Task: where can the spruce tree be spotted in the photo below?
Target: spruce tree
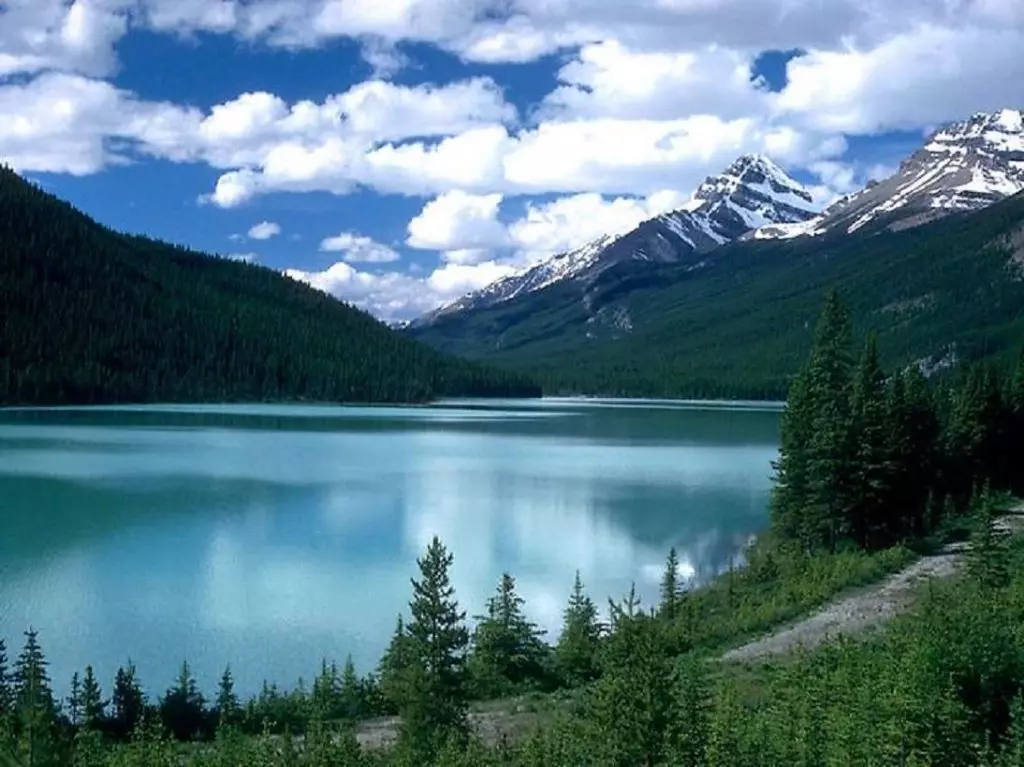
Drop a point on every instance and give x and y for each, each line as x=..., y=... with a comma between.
x=74, y=701
x=228, y=710
x=182, y=708
x=435, y=700
x=869, y=492
x=393, y=669
x=812, y=482
x=93, y=705
x=36, y=709
x=670, y=587
x=127, y=701
x=351, y=698
x=507, y=650
x=577, y=648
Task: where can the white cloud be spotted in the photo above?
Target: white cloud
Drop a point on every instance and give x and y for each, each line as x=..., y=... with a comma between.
x=571, y=222
x=76, y=36
x=398, y=295
x=264, y=230
x=458, y=221
x=245, y=258
x=66, y=123
x=926, y=76
x=607, y=79
x=359, y=249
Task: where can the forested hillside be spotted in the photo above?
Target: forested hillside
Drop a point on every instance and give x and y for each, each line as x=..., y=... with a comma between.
x=738, y=322
x=93, y=316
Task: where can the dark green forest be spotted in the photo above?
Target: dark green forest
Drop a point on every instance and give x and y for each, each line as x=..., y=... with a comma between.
x=737, y=322
x=874, y=469
x=93, y=316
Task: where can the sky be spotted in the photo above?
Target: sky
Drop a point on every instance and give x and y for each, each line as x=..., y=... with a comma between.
x=400, y=153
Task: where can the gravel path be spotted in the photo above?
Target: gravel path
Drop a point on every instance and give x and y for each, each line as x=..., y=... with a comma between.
x=866, y=609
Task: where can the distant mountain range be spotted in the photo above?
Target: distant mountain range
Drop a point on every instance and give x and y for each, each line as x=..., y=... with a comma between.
x=718, y=298
x=964, y=166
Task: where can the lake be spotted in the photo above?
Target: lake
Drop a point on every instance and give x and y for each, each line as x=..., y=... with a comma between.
x=269, y=537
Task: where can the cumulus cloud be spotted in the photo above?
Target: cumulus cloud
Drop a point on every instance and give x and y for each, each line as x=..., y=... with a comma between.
x=399, y=295
x=359, y=249
x=459, y=222
x=264, y=230
x=651, y=96
x=79, y=36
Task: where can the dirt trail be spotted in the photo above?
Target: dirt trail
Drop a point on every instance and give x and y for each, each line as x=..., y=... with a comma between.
x=867, y=609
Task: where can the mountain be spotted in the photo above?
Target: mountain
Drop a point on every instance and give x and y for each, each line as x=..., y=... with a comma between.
x=964, y=166
x=941, y=229
x=753, y=192
x=94, y=316
x=738, y=323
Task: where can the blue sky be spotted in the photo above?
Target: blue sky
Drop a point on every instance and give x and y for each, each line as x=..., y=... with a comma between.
x=398, y=153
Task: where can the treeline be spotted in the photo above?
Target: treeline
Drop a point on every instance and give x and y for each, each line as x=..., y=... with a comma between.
x=870, y=459
x=92, y=316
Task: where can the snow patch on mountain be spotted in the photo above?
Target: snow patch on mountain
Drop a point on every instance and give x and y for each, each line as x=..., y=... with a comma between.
x=753, y=192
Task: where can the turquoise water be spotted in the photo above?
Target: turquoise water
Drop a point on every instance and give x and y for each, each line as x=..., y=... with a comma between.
x=269, y=537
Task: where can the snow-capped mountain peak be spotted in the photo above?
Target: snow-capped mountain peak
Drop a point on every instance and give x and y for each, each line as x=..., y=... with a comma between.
x=752, y=192
x=964, y=166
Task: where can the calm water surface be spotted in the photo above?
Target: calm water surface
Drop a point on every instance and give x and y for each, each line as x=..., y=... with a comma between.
x=269, y=537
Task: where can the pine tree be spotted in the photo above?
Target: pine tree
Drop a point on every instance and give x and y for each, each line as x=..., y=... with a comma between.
x=393, y=669
x=578, y=645
x=351, y=698
x=35, y=707
x=436, y=699
x=228, y=709
x=127, y=701
x=870, y=491
x=631, y=704
x=93, y=705
x=74, y=701
x=812, y=482
x=670, y=587
x=182, y=708
x=507, y=650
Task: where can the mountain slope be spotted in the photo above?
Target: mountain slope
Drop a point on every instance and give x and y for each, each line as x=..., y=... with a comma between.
x=964, y=166
x=738, y=322
x=90, y=315
x=752, y=192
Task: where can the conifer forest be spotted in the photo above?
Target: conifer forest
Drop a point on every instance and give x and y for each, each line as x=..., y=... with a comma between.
x=876, y=467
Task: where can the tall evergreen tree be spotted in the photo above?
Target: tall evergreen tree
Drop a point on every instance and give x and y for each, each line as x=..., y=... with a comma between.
x=812, y=481
x=228, y=709
x=394, y=666
x=670, y=587
x=435, y=700
x=870, y=448
x=508, y=653
x=35, y=705
x=93, y=705
x=74, y=701
x=127, y=701
x=182, y=708
x=578, y=645
x=351, y=693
